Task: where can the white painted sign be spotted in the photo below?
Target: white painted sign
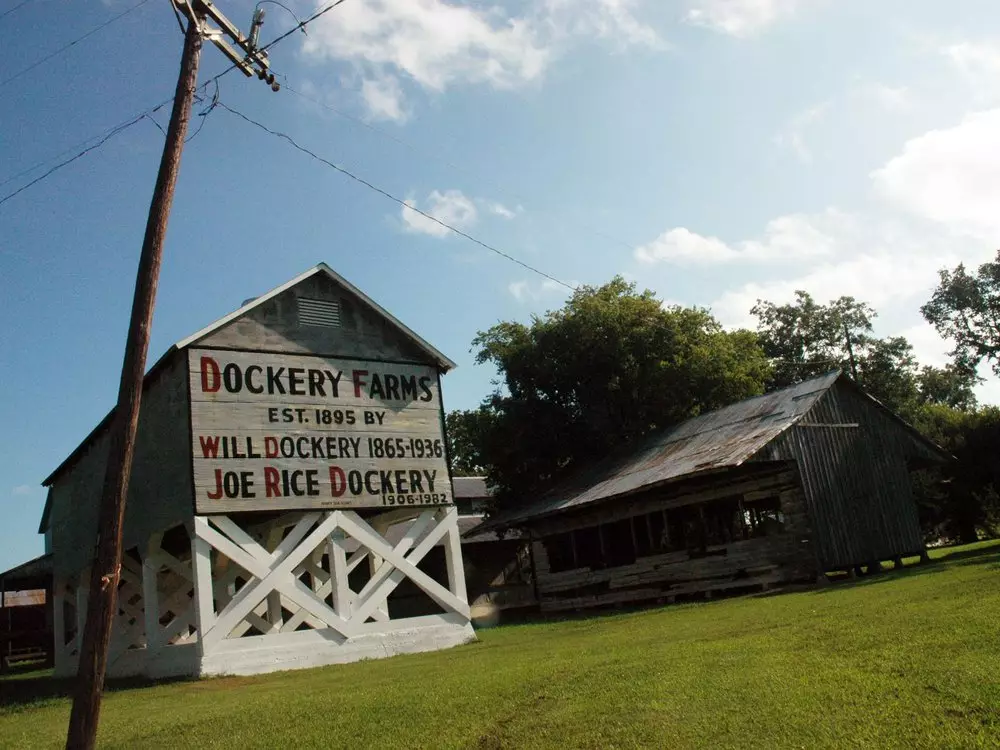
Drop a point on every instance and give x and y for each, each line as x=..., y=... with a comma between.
x=285, y=432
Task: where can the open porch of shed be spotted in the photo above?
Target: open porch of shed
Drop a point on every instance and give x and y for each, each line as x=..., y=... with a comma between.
x=725, y=532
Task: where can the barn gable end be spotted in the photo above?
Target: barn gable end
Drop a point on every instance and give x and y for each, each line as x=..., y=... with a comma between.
x=319, y=314
x=854, y=456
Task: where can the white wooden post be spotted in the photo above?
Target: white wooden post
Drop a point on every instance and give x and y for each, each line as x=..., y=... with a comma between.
x=150, y=595
x=274, y=616
x=381, y=612
x=59, y=625
x=201, y=562
x=338, y=572
x=453, y=556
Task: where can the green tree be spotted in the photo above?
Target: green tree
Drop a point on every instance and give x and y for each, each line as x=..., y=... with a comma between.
x=959, y=501
x=466, y=430
x=805, y=339
x=965, y=308
x=951, y=385
x=598, y=374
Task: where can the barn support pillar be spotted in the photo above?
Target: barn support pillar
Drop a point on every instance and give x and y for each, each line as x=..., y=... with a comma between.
x=246, y=577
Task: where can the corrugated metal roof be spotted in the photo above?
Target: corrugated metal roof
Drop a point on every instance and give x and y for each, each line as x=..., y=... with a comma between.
x=469, y=487
x=38, y=567
x=723, y=438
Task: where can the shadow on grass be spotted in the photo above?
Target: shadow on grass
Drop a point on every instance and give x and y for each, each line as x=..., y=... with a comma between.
x=990, y=558
x=985, y=556
x=29, y=690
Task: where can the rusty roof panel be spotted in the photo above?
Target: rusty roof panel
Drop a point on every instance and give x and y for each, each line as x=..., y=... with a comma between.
x=719, y=439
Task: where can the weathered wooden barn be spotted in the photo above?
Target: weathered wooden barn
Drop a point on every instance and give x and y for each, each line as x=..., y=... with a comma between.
x=776, y=489
x=276, y=450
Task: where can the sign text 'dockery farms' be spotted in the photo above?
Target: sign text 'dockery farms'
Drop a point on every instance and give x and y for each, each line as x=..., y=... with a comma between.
x=277, y=431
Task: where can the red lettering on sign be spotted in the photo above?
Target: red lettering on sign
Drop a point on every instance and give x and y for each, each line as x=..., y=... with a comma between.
x=271, y=447
x=338, y=481
x=358, y=382
x=271, y=478
x=209, y=446
x=218, y=486
x=209, y=367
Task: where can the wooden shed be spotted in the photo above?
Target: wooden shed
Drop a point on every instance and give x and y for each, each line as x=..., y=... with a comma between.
x=276, y=449
x=26, y=614
x=776, y=489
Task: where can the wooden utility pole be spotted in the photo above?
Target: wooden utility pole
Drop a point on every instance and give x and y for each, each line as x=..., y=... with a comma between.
x=102, y=603
x=106, y=570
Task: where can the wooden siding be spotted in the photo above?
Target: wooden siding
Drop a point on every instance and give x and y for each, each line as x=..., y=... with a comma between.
x=757, y=562
x=853, y=460
x=160, y=487
x=274, y=326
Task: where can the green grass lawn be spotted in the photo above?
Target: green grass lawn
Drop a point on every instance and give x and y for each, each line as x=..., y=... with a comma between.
x=900, y=660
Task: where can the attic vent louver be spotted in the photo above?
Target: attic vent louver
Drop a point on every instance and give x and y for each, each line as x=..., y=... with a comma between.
x=319, y=312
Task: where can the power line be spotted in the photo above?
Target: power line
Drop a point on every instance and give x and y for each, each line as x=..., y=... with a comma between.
x=438, y=157
x=74, y=42
x=8, y=12
x=115, y=131
x=106, y=135
x=392, y=197
x=301, y=25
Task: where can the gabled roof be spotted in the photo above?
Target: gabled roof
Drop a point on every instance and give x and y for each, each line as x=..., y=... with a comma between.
x=32, y=570
x=721, y=439
x=322, y=269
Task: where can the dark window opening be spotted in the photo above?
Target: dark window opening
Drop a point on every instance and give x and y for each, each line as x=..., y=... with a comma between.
x=559, y=549
x=657, y=532
x=643, y=535
x=619, y=545
x=589, y=553
x=722, y=521
x=763, y=517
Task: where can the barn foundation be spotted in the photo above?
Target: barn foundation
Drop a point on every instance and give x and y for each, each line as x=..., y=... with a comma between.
x=238, y=595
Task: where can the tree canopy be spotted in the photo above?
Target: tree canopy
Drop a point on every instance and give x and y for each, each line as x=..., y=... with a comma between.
x=596, y=375
x=804, y=339
x=965, y=308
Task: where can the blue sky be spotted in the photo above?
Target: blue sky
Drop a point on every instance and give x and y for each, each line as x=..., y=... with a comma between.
x=716, y=151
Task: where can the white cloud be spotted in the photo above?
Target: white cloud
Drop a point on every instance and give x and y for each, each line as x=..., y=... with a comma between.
x=793, y=134
x=891, y=98
x=787, y=238
x=979, y=64
x=866, y=276
x=383, y=98
x=451, y=207
x=437, y=44
x=742, y=18
x=499, y=209
x=532, y=291
x=950, y=176
x=23, y=490
x=604, y=19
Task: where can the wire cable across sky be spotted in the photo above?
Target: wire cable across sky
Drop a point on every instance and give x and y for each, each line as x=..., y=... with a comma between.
x=393, y=198
x=106, y=135
x=76, y=41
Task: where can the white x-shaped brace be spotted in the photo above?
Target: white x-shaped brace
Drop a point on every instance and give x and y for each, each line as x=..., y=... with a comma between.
x=276, y=571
